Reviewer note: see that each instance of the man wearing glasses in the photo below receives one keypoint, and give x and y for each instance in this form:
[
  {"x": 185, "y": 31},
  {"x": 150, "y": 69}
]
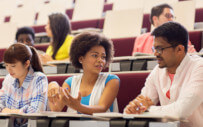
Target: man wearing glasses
[
  {"x": 159, "y": 14},
  {"x": 176, "y": 82}
]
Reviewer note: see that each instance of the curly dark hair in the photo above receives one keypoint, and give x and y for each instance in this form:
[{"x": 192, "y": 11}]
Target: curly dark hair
[{"x": 83, "y": 42}]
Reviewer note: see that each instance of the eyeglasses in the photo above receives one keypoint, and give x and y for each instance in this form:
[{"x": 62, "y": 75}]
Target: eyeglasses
[
  {"x": 169, "y": 16},
  {"x": 159, "y": 49}
]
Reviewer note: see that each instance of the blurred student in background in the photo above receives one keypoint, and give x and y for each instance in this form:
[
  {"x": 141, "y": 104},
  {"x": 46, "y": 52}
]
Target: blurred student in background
[
  {"x": 58, "y": 29},
  {"x": 25, "y": 35},
  {"x": 160, "y": 14}
]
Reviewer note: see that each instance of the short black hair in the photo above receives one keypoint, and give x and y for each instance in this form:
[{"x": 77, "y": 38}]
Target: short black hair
[
  {"x": 25, "y": 30},
  {"x": 158, "y": 10},
  {"x": 174, "y": 33},
  {"x": 83, "y": 42}
]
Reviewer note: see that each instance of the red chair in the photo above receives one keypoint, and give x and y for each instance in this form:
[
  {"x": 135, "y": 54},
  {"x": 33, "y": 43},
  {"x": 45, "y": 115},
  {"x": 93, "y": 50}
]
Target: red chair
[
  {"x": 196, "y": 39},
  {"x": 130, "y": 86},
  {"x": 123, "y": 46}
]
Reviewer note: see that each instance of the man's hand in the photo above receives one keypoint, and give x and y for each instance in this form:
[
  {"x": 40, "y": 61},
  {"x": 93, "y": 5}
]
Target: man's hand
[{"x": 138, "y": 105}]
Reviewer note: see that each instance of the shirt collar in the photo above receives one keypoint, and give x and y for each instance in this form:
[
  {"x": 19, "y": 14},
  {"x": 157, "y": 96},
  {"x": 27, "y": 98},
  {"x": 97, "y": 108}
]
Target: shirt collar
[
  {"x": 27, "y": 80},
  {"x": 182, "y": 64}
]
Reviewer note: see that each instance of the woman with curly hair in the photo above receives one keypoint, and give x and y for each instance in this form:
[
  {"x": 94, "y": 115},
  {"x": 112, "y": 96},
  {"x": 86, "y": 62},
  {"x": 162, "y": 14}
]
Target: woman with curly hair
[{"x": 91, "y": 91}]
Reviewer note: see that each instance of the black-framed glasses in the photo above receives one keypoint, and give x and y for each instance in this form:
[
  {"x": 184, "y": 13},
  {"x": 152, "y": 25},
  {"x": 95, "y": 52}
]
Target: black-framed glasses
[
  {"x": 160, "y": 49},
  {"x": 168, "y": 16}
]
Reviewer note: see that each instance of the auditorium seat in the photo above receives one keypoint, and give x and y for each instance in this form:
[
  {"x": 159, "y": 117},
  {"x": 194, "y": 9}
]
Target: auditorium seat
[
  {"x": 69, "y": 13},
  {"x": 123, "y": 46},
  {"x": 42, "y": 47},
  {"x": 130, "y": 86},
  {"x": 196, "y": 39},
  {"x": 60, "y": 79},
  {"x": 52, "y": 7},
  {"x": 1, "y": 81},
  {"x": 123, "y": 23},
  {"x": 2, "y": 54},
  {"x": 88, "y": 9},
  {"x": 94, "y": 23},
  {"x": 107, "y": 7},
  {"x": 199, "y": 15},
  {"x": 146, "y": 22}
]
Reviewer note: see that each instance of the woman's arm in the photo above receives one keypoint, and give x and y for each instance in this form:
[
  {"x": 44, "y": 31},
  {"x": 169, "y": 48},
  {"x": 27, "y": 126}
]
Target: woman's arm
[
  {"x": 55, "y": 97},
  {"x": 109, "y": 94}
]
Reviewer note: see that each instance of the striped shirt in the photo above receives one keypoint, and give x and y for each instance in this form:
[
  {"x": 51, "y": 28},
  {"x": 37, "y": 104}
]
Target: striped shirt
[{"x": 29, "y": 98}]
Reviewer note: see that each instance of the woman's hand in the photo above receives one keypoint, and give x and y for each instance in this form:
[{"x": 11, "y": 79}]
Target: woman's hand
[
  {"x": 53, "y": 92},
  {"x": 70, "y": 101},
  {"x": 44, "y": 58},
  {"x": 7, "y": 110}
]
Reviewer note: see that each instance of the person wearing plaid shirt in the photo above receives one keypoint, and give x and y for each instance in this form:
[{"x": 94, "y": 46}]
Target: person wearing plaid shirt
[
  {"x": 24, "y": 89},
  {"x": 29, "y": 98}
]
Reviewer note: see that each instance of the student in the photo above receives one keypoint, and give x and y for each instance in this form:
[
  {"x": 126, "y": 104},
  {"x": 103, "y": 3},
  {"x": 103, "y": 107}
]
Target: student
[
  {"x": 24, "y": 89},
  {"x": 159, "y": 14},
  {"x": 176, "y": 82},
  {"x": 25, "y": 35},
  {"x": 91, "y": 91},
  {"x": 58, "y": 29}
]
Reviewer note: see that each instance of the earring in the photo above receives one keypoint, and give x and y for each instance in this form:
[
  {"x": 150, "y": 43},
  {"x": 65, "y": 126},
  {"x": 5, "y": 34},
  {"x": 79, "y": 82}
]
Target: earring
[{"x": 81, "y": 62}]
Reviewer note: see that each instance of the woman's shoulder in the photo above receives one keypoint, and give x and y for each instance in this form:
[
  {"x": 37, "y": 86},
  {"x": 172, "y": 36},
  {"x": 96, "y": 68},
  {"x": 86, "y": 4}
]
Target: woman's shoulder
[
  {"x": 69, "y": 79},
  {"x": 8, "y": 78},
  {"x": 110, "y": 77},
  {"x": 39, "y": 75}
]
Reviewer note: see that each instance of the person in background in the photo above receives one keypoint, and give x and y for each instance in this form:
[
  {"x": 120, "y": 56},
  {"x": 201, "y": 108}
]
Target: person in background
[
  {"x": 25, "y": 35},
  {"x": 58, "y": 29},
  {"x": 176, "y": 82},
  {"x": 160, "y": 14},
  {"x": 91, "y": 91}
]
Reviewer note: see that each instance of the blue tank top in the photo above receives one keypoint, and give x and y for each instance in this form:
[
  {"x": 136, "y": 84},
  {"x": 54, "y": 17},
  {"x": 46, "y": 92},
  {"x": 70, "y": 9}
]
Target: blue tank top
[{"x": 85, "y": 100}]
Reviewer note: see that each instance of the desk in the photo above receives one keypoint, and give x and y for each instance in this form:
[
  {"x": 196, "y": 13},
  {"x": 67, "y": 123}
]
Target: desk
[
  {"x": 133, "y": 63},
  {"x": 63, "y": 119},
  {"x": 64, "y": 67},
  {"x": 136, "y": 63}
]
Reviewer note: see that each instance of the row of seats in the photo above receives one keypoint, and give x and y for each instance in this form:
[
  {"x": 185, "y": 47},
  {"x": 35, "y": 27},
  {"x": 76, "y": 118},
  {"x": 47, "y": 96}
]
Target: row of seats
[
  {"x": 124, "y": 46},
  {"x": 146, "y": 23},
  {"x": 99, "y": 23},
  {"x": 130, "y": 25},
  {"x": 130, "y": 86}
]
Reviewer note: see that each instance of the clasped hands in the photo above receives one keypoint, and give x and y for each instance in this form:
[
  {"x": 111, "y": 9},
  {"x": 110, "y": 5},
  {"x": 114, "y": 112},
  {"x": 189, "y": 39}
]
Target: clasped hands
[
  {"x": 58, "y": 94},
  {"x": 138, "y": 105}
]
